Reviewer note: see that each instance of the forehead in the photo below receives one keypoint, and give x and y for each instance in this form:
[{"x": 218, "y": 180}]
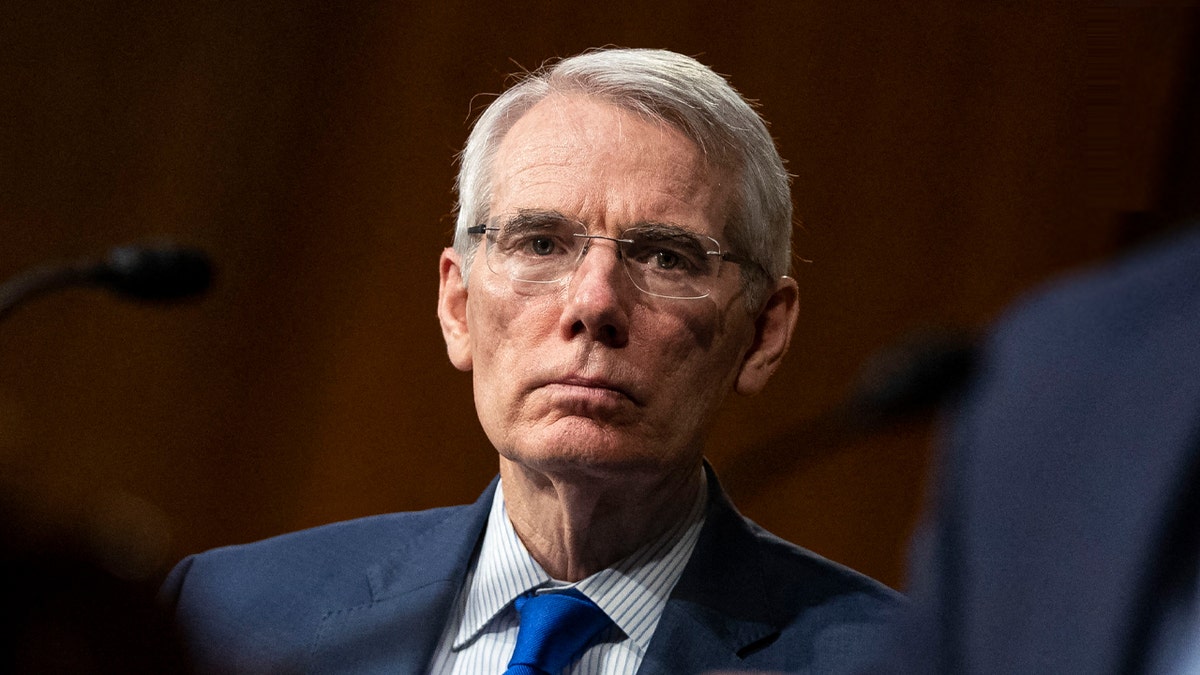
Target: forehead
[{"x": 608, "y": 167}]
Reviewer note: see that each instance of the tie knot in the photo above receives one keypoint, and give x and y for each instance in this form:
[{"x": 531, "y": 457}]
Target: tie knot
[{"x": 554, "y": 628}]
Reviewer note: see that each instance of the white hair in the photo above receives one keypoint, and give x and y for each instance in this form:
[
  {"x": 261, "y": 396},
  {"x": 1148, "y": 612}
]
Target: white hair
[{"x": 676, "y": 90}]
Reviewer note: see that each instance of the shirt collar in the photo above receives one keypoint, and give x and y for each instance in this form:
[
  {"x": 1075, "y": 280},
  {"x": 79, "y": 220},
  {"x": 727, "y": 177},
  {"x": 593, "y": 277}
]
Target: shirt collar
[
  {"x": 504, "y": 571},
  {"x": 633, "y": 592}
]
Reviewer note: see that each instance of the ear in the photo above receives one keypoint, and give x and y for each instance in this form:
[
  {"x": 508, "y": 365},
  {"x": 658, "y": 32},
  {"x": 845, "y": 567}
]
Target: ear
[
  {"x": 452, "y": 310},
  {"x": 772, "y": 334}
]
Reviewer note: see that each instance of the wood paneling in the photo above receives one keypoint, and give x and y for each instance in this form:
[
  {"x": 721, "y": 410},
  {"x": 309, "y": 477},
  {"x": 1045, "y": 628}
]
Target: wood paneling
[{"x": 946, "y": 159}]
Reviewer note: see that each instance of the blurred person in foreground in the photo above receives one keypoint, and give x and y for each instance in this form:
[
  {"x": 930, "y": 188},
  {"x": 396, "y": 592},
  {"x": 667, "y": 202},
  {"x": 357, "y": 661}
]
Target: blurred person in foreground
[
  {"x": 618, "y": 268},
  {"x": 1065, "y": 533}
]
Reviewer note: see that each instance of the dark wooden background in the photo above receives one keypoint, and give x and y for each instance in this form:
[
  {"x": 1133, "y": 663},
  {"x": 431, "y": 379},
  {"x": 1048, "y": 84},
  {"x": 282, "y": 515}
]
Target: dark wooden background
[{"x": 947, "y": 157}]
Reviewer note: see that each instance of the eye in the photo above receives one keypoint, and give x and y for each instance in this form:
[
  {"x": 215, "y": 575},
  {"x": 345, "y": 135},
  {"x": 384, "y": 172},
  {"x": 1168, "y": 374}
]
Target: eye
[
  {"x": 541, "y": 246},
  {"x": 668, "y": 260},
  {"x": 536, "y": 245},
  {"x": 666, "y": 252}
]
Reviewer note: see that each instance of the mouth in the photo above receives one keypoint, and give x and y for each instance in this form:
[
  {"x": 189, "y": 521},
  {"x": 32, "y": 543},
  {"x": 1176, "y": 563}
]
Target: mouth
[{"x": 591, "y": 388}]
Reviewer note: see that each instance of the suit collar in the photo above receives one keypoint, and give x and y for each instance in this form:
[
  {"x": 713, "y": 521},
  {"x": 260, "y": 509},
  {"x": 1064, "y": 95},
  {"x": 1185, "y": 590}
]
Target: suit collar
[
  {"x": 422, "y": 560},
  {"x": 412, "y": 591},
  {"x": 721, "y": 608}
]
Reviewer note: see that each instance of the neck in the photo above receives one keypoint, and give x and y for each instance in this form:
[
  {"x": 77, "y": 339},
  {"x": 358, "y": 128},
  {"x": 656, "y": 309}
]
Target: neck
[{"x": 575, "y": 526}]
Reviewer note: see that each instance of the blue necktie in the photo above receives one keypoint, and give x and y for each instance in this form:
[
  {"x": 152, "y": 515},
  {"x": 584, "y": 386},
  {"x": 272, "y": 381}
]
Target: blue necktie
[{"x": 554, "y": 628}]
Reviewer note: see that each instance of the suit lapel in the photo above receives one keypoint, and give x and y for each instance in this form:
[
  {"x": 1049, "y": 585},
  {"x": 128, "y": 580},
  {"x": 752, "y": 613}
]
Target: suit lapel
[
  {"x": 411, "y": 596},
  {"x": 720, "y": 608}
]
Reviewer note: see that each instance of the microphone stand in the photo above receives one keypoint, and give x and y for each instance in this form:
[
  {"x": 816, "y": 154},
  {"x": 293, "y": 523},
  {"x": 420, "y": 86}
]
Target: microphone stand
[{"x": 43, "y": 280}]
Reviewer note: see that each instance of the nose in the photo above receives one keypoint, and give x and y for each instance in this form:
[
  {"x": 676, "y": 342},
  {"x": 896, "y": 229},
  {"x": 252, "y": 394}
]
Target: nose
[{"x": 599, "y": 296}]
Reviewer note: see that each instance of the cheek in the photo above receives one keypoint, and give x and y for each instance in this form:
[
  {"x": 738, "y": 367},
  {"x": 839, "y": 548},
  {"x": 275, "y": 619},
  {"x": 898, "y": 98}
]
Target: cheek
[
  {"x": 505, "y": 332},
  {"x": 729, "y": 337},
  {"x": 695, "y": 354},
  {"x": 708, "y": 333}
]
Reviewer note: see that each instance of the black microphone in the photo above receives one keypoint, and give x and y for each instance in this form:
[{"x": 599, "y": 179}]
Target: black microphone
[
  {"x": 899, "y": 382},
  {"x": 161, "y": 273},
  {"x": 158, "y": 273},
  {"x": 909, "y": 377}
]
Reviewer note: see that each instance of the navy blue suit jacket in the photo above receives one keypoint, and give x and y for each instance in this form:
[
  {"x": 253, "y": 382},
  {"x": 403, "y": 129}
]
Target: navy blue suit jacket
[
  {"x": 1064, "y": 494},
  {"x": 373, "y": 596}
]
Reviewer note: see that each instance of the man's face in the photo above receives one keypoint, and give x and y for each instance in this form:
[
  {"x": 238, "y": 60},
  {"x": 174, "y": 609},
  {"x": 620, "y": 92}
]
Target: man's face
[{"x": 591, "y": 374}]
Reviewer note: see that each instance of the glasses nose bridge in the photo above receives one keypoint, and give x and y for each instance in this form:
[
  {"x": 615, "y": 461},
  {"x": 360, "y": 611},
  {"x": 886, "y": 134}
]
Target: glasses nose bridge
[
  {"x": 617, "y": 241},
  {"x": 587, "y": 239},
  {"x": 618, "y": 246}
]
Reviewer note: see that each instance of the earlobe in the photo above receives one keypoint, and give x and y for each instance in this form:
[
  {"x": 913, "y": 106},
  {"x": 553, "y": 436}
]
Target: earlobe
[
  {"x": 452, "y": 310},
  {"x": 772, "y": 334}
]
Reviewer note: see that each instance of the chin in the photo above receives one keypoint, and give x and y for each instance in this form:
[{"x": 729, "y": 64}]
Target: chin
[{"x": 602, "y": 457}]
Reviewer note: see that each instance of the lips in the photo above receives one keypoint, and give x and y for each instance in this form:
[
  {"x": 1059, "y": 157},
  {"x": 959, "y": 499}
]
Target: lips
[{"x": 592, "y": 386}]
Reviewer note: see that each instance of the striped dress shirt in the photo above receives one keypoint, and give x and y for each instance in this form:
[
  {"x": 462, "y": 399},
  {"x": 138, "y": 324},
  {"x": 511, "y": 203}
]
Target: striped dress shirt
[{"x": 482, "y": 629}]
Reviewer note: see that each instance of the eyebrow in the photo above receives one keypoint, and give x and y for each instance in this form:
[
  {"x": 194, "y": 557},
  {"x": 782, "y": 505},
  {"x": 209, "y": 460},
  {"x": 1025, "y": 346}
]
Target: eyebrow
[
  {"x": 534, "y": 219},
  {"x": 539, "y": 219},
  {"x": 664, "y": 230}
]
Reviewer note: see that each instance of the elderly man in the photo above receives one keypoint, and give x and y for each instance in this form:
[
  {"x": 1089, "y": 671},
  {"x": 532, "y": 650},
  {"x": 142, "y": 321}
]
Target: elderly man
[{"x": 618, "y": 268}]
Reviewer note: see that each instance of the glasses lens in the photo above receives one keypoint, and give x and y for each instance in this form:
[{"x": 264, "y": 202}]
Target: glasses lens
[
  {"x": 662, "y": 261},
  {"x": 670, "y": 263},
  {"x": 534, "y": 251}
]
